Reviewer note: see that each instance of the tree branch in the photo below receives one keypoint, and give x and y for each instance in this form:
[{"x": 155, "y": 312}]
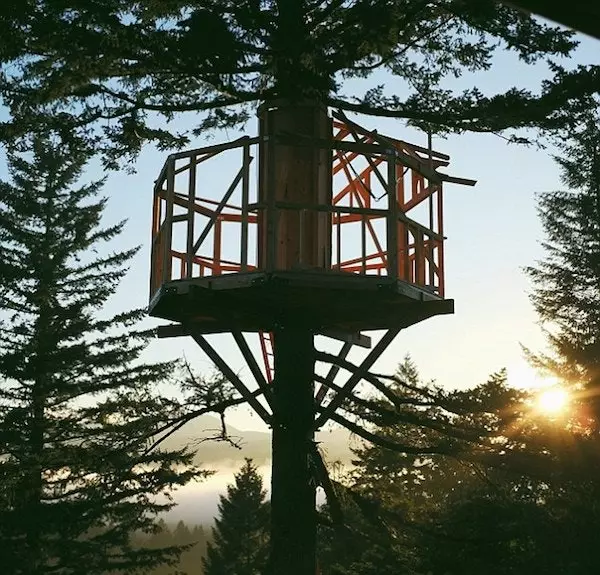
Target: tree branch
[
  {"x": 179, "y": 422},
  {"x": 388, "y": 443}
]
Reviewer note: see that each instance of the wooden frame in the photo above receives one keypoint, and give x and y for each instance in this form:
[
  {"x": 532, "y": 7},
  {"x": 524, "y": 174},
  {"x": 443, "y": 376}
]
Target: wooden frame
[{"x": 408, "y": 250}]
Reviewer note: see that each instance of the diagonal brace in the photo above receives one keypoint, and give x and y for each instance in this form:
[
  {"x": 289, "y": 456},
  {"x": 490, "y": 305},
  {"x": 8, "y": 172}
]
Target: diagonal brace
[
  {"x": 355, "y": 378},
  {"x": 333, "y": 371},
  {"x": 210, "y": 351},
  {"x": 254, "y": 368},
  {"x": 219, "y": 209}
]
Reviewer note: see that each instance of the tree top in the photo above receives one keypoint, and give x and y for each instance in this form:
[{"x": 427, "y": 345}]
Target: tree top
[{"x": 119, "y": 72}]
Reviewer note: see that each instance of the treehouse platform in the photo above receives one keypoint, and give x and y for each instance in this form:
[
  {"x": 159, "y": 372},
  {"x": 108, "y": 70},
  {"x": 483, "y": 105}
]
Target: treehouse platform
[
  {"x": 322, "y": 302},
  {"x": 356, "y": 245}
]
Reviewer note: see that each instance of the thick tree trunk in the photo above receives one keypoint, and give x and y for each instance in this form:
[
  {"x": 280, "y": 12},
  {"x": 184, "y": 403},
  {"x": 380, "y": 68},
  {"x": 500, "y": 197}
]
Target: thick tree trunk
[{"x": 293, "y": 514}]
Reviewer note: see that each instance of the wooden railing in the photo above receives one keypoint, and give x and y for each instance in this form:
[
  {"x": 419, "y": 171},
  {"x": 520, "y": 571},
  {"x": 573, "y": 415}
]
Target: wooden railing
[{"x": 215, "y": 233}]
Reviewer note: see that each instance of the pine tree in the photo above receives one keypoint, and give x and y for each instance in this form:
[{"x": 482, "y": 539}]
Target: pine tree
[
  {"x": 240, "y": 539},
  {"x": 77, "y": 403},
  {"x": 566, "y": 282},
  {"x": 137, "y": 61}
]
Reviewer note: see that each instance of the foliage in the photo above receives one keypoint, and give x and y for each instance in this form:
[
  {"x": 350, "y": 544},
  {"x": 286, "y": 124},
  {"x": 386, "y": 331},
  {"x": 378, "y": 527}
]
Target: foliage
[
  {"x": 194, "y": 540},
  {"x": 566, "y": 292},
  {"x": 78, "y": 405},
  {"x": 139, "y": 63},
  {"x": 240, "y": 535},
  {"x": 521, "y": 499}
]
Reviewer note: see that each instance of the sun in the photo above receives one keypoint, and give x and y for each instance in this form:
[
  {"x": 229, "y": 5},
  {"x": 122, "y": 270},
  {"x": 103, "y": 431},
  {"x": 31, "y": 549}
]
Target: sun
[{"x": 553, "y": 401}]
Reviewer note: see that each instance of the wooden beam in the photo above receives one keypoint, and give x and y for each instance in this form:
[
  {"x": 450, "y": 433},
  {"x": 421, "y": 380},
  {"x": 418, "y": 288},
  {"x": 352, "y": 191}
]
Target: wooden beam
[
  {"x": 217, "y": 212},
  {"x": 333, "y": 371},
  {"x": 355, "y": 338},
  {"x": 213, "y": 355},
  {"x": 455, "y": 180},
  {"x": 244, "y": 140},
  {"x": 174, "y": 330},
  {"x": 253, "y": 365},
  {"x": 374, "y": 212},
  {"x": 355, "y": 378},
  {"x": 390, "y": 144}
]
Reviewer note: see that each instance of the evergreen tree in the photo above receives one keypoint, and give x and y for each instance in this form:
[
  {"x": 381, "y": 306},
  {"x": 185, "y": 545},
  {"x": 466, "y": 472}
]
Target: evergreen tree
[
  {"x": 193, "y": 540},
  {"x": 566, "y": 292},
  {"x": 137, "y": 61},
  {"x": 240, "y": 535},
  {"x": 517, "y": 494},
  {"x": 77, "y": 403}
]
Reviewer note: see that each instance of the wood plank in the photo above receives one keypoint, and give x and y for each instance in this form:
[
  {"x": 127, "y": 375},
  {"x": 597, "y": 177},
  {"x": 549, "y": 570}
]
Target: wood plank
[
  {"x": 331, "y": 374},
  {"x": 218, "y": 210},
  {"x": 216, "y": 148},
  {"x": 349, "y": 337},
  {"x": 455, "y": 180},
  {"x": 244, "y": 216},
  {"x": 238, "y": 336},
  {"x": 214, "y": 356}
]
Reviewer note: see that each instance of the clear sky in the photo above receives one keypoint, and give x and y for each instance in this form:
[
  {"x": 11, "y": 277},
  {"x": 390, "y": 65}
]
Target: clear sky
[{"x": 492, "y": 229}]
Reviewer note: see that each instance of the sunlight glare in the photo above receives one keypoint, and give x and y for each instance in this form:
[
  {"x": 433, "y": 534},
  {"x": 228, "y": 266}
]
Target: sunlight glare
[{"x": 553, "y": 401}]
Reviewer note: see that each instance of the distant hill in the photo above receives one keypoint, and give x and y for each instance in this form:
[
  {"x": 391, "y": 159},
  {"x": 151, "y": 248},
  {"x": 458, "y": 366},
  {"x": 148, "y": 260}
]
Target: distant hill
[
  {"x": 197, "y": 502},
  {"x": 335, "y": 444}
]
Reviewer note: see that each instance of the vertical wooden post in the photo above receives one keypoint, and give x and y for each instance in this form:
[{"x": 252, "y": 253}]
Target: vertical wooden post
[
  {"x": 189, "y": 250},
  {"x": 440, "y": 230},
  {"x": 392, "y": 220},
  {"x": 338, "y": 246},
  {"x": 166, "y": 244},
  {"x": 363, "y": 243},
  {"x": 293, "y": 514},
  {"x": 244, "y": 218},
  {"x": 217, "y": 247}
]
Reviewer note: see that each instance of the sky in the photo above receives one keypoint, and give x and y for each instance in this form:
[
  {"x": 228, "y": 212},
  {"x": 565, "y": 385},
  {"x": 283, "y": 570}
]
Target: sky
[{"x": 493, "y": 232}]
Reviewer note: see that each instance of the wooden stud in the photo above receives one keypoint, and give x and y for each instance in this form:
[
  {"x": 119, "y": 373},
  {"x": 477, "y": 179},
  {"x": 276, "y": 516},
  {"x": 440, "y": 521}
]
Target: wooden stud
[
  {"x": 191, "y": 216},
  {"x": 245, "y": 201},
  {"x": 168, "y": 225},
  {"x": 392, "y": 219},
  {"x": 331, "y": 374}
]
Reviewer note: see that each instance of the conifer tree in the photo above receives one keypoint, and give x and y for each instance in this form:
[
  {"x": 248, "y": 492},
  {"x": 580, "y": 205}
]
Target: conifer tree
[
  {"x": 566, "y": 282},
  {"x": 240, "y": 539},
  {"x": 77, "y": 403},
  {"x": 214, "y": 60}
]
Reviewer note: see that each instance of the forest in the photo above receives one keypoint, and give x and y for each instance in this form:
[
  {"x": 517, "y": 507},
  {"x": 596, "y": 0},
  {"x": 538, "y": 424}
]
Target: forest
[{"x": 445, "y": 480}]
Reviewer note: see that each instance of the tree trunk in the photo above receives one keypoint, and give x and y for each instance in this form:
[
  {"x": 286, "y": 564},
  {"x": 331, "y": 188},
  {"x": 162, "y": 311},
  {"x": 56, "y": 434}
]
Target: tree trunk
[{"x": 293, "y": 514}]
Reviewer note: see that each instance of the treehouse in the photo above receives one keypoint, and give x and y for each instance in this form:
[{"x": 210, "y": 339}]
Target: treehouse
[{"x": 324, "y": 225}]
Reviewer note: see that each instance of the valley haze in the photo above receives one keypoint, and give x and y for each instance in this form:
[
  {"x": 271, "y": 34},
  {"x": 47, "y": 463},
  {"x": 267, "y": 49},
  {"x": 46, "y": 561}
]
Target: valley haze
[{"x": 197, "y": 502}]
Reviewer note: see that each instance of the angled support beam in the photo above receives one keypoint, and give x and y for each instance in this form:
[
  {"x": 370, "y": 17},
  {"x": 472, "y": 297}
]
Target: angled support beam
[
  {"x": 254, "y": 368},
  {"x": 210, "y": 351},
  {"x": 333, "y": 371},
  {"x": 374, "y": 168},
  {"x": 355, "y": 378}
]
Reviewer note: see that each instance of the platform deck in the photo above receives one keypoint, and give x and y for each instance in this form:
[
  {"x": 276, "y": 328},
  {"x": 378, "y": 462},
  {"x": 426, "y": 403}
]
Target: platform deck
[{"x": 260, "y": 301}]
